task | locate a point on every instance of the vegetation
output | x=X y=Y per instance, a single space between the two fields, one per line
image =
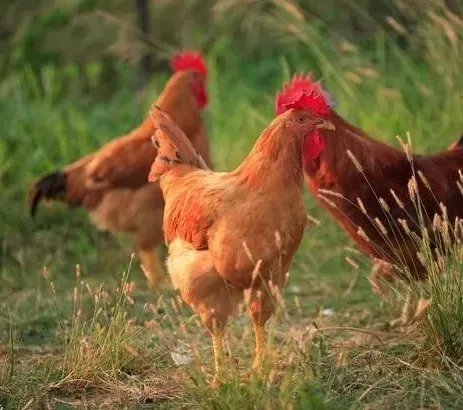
x=99 y=337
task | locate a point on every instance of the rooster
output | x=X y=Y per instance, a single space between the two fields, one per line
x=372 y=189
x=111 y=183
x=456 y=144
x=236 y=231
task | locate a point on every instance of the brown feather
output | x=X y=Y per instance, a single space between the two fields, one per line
x=173 y=146
x=383 y=168
x=228 y=232
x=112 y=183
x=124 y=163
x=222 y=211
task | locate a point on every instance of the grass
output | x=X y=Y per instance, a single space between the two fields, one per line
x=102 y=339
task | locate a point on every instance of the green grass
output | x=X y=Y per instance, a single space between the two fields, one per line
x=85 y=342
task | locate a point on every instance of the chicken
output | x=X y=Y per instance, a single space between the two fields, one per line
x=111 y=183
x=235 y=231
x=456 y=144
x=370 y=188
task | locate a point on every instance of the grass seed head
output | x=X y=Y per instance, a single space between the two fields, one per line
x=397 y=199
x=327 y=200
x=355 y=161
x=381 y=226
x=329 y=192
x=362 y=234
x=424 y=180
x=384 y=205
x=361 y=206
x=413 y=189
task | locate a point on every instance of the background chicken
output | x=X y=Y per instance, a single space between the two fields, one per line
x=369 y=188
x=111 y=183
x=236 y=231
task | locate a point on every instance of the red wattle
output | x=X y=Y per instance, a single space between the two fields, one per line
x=201 y=95
x=312 y=146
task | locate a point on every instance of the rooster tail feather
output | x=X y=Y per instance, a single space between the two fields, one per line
x=173 y=146
x=456 y=144
x=50 y=186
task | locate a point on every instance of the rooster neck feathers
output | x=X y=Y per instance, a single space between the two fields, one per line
x=274 y=150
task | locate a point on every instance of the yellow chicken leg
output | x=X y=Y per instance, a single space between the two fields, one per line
x=217 y=343
x=152 y=267
x=259 y=332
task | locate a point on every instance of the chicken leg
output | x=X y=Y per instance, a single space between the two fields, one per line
x=259 y=332
x=261 y=308
x=411 y=311
x=217 y=343
x=152 y=267
x=406 y=316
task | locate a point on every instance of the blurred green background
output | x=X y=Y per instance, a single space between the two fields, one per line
x=96 y=44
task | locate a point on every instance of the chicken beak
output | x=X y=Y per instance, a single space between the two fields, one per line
x=325 y=125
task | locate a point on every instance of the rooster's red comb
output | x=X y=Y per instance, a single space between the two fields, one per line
x=302 y=92
x=188 y=60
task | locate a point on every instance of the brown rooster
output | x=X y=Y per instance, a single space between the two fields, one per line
x=111 y=183
x=372 y=189
x=236 y=231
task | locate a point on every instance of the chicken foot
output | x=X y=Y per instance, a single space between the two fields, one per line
x=411 y=311
x=406 y=315
x=152 y=267
x=380 y=277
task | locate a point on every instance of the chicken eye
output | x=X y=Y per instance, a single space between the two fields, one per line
x=301 y=118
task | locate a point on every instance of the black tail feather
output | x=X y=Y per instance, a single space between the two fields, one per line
x=460 y=141
x=50 y=186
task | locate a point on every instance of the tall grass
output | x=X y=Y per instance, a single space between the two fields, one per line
x=435 y=239
x=105 y=344
x=444 y=266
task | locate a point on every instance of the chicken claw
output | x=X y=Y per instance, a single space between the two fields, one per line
x=406 y=317
x=411 y=312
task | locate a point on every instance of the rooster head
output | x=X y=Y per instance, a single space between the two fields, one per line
x=194 y=64
x=189 y=60
x=302 y=93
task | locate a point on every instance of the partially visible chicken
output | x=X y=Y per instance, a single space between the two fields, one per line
x=456 y=144
x=370 y=188
x=236 y=231
x=111 y=183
